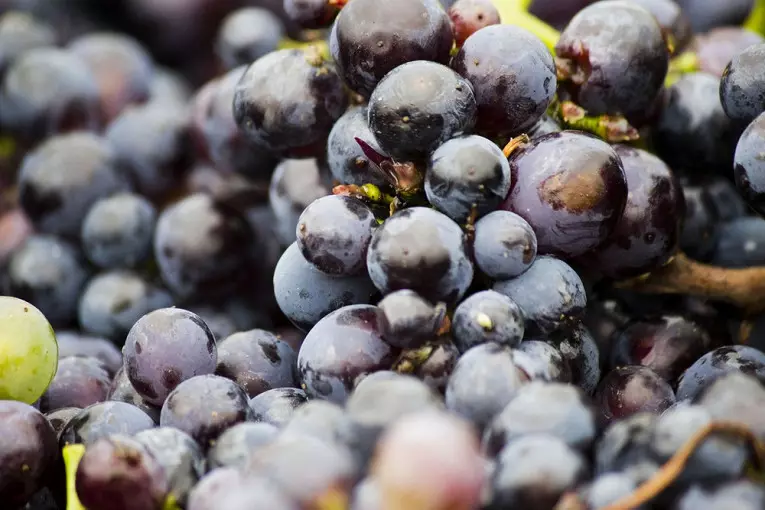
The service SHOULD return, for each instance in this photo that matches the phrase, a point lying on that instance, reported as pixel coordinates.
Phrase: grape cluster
(382, 255)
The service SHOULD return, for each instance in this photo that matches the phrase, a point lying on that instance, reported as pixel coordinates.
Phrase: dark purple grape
(716, 363)
(258, 361)
(543, 362)
(201, 247)
(102, 420)
(614, 58)
(550, 294)
(247, 34)
(582, 355)
(725, 200)
(79, 382)
(410, 320)
(436, 370)
(742, 495)
(306, 295)
(118, 230)
(470, 16)
(223, 142)
(422, 250)
(557, 12)
(667, 345)
(704, 16)
(28, 453)
(534, 472)
(699, 224)
(50, 273)
(71, 343)
(648, 232)
(739, 243)
(467, 178)
(556, 409)
(47, 91)
(736, 396)
(741, 89)
(21, 32)
(289, 99)
(341, 348)
(748, 167)
(232, 489)
(153, 145)
(166, 347)
(60, 417)
(693, 135)
(277, 406)
(673, 21)
(487, 316)
(345, 157)
(296, 183)
(504, 245)
(371, 38)
(311, 14)
(62, 178)
(632, 389)
(333, 233)
(237, 444)
(484, 380)
(117, 472)
(122, 391)
(418, 106)
(121, 66)
(179, 455)
(513, 75)
(572, 189)
(204, 407)
(113, 301)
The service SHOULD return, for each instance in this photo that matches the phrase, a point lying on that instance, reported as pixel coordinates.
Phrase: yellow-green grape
(28, 351)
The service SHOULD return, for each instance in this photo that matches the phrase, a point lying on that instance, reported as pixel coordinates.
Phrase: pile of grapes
(382, 255)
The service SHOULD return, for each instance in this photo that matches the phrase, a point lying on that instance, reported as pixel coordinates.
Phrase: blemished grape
(742, 87)
(333, 234)
(513, 76)
(204, 407)
(28, 452)
(418, 106)
(487, 316)
(102, 420)
(277, 406)
(117, 472)
(341, 348)
(79, 382)
(543, 361)
(748, 169)
(234, 447)
(583, 354)
(410, 320)
(470, 16)
(28, 351)
(436, 370)
(504, 246)
(631, 389)
(716, 363)
(258, 361)
(364, 56)
(422, 250)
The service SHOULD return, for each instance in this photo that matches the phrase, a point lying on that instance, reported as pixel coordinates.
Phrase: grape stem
(743, 288)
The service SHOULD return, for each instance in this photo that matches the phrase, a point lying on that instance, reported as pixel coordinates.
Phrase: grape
(543, 361)
(333, 234)
(706, 16)
(572, 190)
(513, 76)
(347, 161)
(29, 351)
(747, 168)
(367, 39)
(341, 348)
(305, 295)
(59, 418)
(410, 320)
(122, 391)
(247, 34)
(741, 87)
(258, 361)
(487, 316)
(180, 457)
(484, 380)
(103, 419)
(647, 234)
(736, 396)
(310, 13)
(277, 406)
(467, 178)
(544, 126)
(321, 419)
(204, 407)
(744, 495)
(79, 382)
(699, 225)
(738, 243)
(627, 390)
(282, 82)
(615, 58)
(28, 450)
(19, 33)
(583, 356)
(418, 106)
(117, 472)
(550, 294)
(725, 200)
(556, 409)
(113, 301)
(716, 363)
(626, 443)
(169, 86)
(469, 16)
(504, 246)
(231, 489)
(436, 370)
(422, 250)
(166, 347)
(235, 446)
(672, 19)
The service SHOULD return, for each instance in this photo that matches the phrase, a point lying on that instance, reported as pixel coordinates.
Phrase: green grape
(28, 351)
